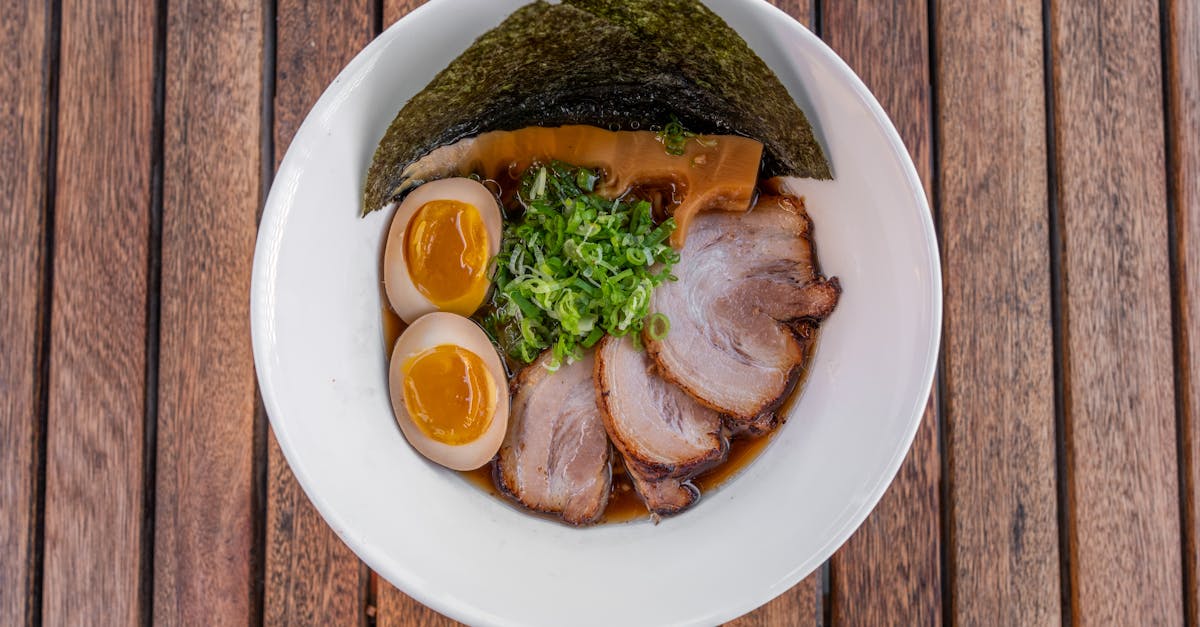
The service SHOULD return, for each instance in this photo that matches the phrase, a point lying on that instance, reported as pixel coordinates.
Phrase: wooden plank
(312, 578)
(24, 82)
(999, 416)
(95, 427)
(1183, 129)
(1124, 535)
(205, 521)
(888, 45)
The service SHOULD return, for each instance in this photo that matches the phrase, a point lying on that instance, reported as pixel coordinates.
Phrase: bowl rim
(408, 581)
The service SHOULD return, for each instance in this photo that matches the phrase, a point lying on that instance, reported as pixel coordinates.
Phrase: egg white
(406, 300)
(437, 329)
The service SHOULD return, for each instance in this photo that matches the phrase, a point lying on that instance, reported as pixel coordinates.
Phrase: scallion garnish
(675, 137)
(657, 326)
(576, 266)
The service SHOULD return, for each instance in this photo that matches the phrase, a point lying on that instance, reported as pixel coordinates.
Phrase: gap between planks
(1180, 45)
(1059, 318)
(49, 147)
(153, 317)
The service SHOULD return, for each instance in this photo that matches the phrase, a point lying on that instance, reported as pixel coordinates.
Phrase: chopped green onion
(657, 326)
(539, 185)
(675, 138)
(575, 267)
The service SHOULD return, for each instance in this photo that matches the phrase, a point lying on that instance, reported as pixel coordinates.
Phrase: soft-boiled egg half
(443, 236)
(449, 391)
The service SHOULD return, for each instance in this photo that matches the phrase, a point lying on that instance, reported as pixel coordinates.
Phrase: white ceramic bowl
(318, 346)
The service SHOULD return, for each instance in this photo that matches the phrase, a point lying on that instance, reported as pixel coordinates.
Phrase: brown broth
(742, 451)
(624, 504)
(393, 326)
(483, 479)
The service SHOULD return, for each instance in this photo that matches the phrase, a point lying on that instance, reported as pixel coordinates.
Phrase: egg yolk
(446, 249)
(449, 393)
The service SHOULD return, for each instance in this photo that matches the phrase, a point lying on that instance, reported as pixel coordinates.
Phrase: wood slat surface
(1122, 478)
(95, 427)
(24, 81)
(1065, 484)
(205, 525)
(1183, 129)
(312, 578)
(899, 541)
(1002, 562)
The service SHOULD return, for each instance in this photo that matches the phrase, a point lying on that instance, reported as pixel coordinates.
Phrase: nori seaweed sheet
(619, 68)
(713, 56)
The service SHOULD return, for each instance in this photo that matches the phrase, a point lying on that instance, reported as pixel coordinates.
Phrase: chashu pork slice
(664, 436)
(555, 457)
(748, 298)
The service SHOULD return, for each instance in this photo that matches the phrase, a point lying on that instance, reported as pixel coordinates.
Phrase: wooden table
(1054, 478)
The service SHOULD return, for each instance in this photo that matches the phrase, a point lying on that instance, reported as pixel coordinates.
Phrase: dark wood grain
(24, 80)
(1119, 405)
(205, 521)
(889, 572)
(1183, 129)
(998, 375)
(94, 496)
(312, 578)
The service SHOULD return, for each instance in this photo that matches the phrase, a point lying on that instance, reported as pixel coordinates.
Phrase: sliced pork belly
(747, 300)
(664, 436)
(555, 457)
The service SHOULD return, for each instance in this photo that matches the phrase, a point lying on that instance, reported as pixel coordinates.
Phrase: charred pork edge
(653, 470)
(657, 513)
